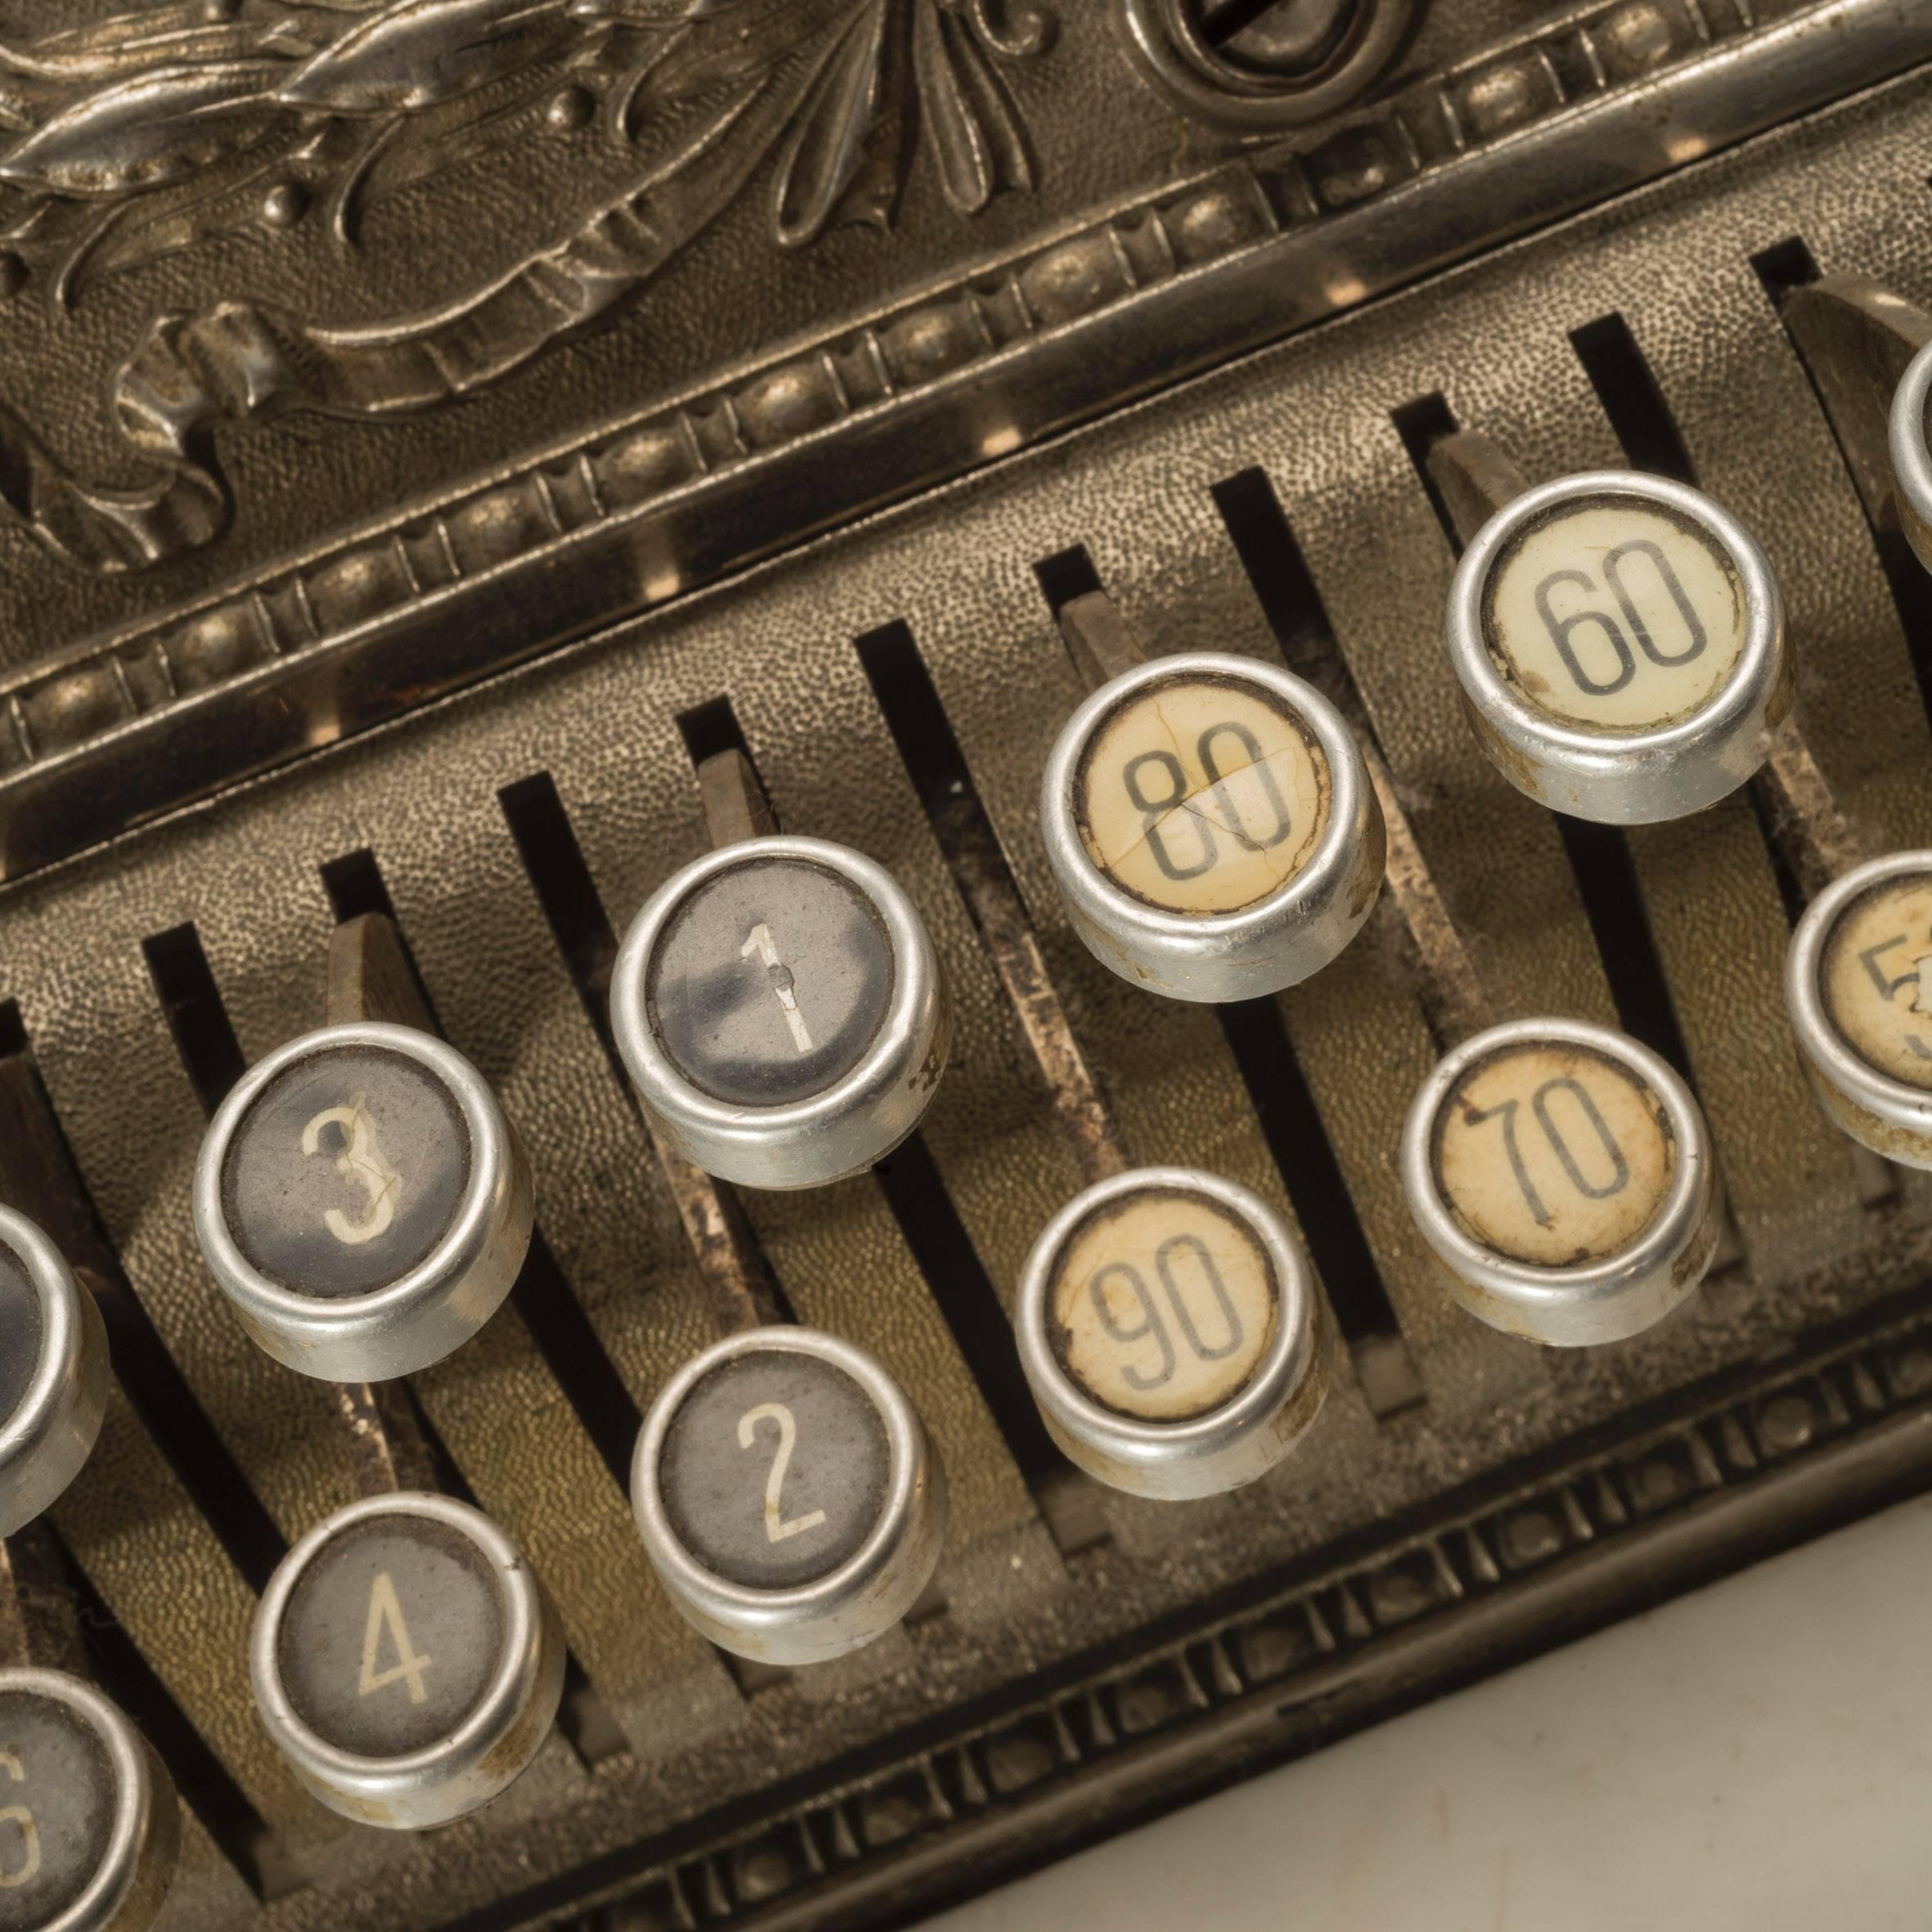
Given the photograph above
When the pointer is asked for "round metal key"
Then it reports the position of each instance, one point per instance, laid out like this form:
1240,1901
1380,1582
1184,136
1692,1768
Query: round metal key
1565,1178
53,1372
1858,985
1619,642
407,1660
362,1201
788,1495
1171,1328
90,1828
1910,442
782,1011
1212,827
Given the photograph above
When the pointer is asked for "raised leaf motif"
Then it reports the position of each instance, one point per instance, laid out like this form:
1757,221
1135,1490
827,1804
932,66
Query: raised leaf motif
416,53
824,156
144,132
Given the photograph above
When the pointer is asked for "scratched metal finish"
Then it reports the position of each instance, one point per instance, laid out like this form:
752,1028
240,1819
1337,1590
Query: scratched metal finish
957,568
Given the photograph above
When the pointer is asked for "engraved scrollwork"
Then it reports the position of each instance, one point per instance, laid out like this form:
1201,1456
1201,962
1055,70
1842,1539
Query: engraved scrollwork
144,134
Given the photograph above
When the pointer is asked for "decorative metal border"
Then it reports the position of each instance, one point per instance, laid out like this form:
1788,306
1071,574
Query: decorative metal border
1507,1567
298,657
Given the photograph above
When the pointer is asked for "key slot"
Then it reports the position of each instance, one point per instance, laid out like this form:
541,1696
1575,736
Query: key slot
1257,1037
936,766
1599,855
115,1662
910,1182
1805,834
738,1281
542,1296
36,1164
1447,988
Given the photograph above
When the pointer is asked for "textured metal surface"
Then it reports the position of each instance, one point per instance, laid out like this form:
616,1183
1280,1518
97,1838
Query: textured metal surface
1152,232
1769,1450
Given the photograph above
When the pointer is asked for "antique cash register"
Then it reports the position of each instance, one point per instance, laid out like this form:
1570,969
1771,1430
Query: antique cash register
918,916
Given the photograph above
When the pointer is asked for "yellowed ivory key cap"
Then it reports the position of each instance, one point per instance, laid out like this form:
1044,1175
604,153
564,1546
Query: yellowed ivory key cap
1563,1175
1211,825
1171,1332
1619,642
1858,986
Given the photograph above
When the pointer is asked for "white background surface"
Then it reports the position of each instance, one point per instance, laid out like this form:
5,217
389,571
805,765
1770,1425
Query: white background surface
1755,1757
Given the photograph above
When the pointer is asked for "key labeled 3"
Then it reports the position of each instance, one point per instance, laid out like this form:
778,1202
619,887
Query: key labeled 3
788,1495
1859,986
363,1201
781,1012
1211,825
1563,1175
1619,643
407,1660
53,1373
1170,1330
90,1828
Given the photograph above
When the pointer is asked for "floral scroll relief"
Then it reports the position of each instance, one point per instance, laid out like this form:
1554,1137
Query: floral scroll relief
148,132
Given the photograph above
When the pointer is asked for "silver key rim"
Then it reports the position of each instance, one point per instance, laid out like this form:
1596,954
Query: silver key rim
1208,1455
436,1305
1605,1301
858,1119
1890,1116
1911,458
865,1595
484,1754
1624,777
127,1890
1259,949
46,1440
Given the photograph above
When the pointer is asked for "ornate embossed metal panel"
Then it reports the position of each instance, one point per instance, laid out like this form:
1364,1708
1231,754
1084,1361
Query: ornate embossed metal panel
430,428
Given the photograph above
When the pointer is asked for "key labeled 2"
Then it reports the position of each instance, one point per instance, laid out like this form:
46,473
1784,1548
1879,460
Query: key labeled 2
788,1495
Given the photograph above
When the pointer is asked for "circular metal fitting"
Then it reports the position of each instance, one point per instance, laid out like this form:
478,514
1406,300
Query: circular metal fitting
782,1011
1858,986
788,1496
363,1201
1212,827
53,1372
1293,63
1564,1176
1910,440
406,1660
90,1828
1619,642
1171,1331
